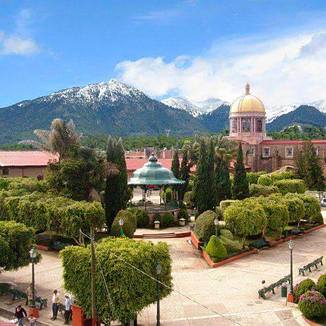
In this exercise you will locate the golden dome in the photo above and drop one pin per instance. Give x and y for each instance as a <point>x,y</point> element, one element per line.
<point>247,103</point>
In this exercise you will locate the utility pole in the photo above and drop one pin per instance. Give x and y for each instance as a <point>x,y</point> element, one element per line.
<point>93,275</point>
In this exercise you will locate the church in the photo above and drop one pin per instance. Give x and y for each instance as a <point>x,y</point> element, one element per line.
<point>262,153</point>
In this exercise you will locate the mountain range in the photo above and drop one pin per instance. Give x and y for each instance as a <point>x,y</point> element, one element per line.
<point>116,108</point>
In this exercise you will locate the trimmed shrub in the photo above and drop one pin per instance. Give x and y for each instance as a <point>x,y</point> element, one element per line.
<point>167,220</point>
<point>226,203</point>
<point>311,209</point>
<point>189,199</point>
<point>290,185</point>
<point>265,180</point>
<point>295,207</point>
<point>252,177</point>
<point>302,287</point>
<point>215,249</point>
<point>204,226</point>
<point>321,284</point>
<point>183,213</point>
<point>226,234</point>
<point>219,213</point>
<point>260,190</point>
<point>130,224</point>
<point>168,194</point>
<point>282,175</point>
<point>4,183</point>
<point>115,256</point>
<point>312,304</point>
<point>245,218</point>
<point>232,246</point>
<point>141,216</point>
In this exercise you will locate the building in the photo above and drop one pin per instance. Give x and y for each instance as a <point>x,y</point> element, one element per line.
<point>262,153</point>
<point>24,163</point>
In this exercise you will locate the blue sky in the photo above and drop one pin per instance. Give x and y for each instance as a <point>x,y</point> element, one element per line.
<point>195,49</point>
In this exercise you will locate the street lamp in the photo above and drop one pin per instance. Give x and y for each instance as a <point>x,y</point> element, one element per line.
<point>291,246</point>
<point>216,224</point>
<point>121,223</point>
<point>158,272</point>
<point>33,255</point>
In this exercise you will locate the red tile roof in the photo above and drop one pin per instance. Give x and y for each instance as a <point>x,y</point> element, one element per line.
<point>291,142</point>
<point>25,158</point>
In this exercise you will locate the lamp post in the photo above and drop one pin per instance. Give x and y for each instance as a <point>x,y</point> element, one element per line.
<point>33,255</point>
<point>216,224</point>
<point>121,223</point>
<point>158,272</point>
<point>291,246</point>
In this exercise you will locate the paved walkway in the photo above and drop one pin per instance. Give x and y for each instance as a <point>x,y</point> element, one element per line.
<point>203,296</point>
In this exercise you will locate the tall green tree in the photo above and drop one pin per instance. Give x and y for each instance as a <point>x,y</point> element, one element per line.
<point>184,174</point>
<point>241,185</point>
<point>176,164</point>
<point>204,182</point>
<point>223,182</point>
<point>309,167</point>
<point>211,186</point>
<point>116,191</point>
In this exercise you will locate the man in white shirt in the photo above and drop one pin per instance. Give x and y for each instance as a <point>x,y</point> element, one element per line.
<point>55,304</point>
<point>67,309</point>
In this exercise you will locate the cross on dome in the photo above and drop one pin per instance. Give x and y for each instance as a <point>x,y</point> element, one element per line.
<point>247,89</point>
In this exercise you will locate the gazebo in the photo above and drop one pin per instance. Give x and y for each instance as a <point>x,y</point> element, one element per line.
<point>153,175</point>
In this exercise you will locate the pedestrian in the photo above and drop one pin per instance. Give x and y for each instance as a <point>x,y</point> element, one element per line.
<point>20,314</point>
<point>55,304</point>
<point>29,292</point>
<point>67,308</point>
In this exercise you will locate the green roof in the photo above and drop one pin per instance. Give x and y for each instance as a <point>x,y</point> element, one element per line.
<point>153,173</point>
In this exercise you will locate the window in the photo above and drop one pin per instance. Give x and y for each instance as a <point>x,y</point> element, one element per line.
<point>5,171</point>
<point>234,125</point>
<point>259,125</point>
<point>266,152</point>
<point>251,151</point>
<point>245,124</point>
<point>289,152</point>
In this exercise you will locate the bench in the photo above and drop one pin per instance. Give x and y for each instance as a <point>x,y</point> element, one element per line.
<point>17,294</point>
<point>271,288</point>
<point>308,267</point>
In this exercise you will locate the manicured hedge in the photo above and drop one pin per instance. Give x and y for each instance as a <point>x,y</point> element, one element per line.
<point>15,242</point>
<point>215,249</point>
<point>290,185</point>
<point>167,220</point>
<point>265,180</point>
<point>245,218</point>
<point>260,190</point>
<point>312,304</point>
<point>252,177</point>
<point>130,224</point>
<point>27,185</point>
<point>321,284</point>
<point>183,213</point>
<point>141,216</point>
<point>118,258</point>
<point>204,226</point>
<point>302,287</point>
<point>226,203</point>
<point>282,175</point>
<point>311,209</point>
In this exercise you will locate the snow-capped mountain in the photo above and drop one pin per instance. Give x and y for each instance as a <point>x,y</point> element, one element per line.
<point>194,108</point>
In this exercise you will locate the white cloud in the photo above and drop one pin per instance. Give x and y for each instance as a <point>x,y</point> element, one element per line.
<point>19,42</point>
<point>284,70</point>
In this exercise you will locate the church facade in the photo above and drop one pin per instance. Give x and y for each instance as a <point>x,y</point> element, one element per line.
<point>262,153</point>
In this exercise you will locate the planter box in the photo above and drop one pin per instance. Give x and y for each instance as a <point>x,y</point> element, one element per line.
<point>195,241</point>
<point>211,263</point>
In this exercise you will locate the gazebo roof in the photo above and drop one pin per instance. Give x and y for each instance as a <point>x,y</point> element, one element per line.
<point>153,173</point>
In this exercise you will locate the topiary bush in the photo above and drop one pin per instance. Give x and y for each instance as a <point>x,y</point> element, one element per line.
<point>215,249</point>
<point>130,224</point>
<point>302,287</point>
<point>189,199</point>
<point>265,180</point>
<point>167,220</point>
<point>226,203</point>
<point>294,205</point>
<point>141,216</point>
<point>256,190</point>
<point>252,177</point>
<point>312,304</point>
<point>183,213</point>
<point>226,234</point>
<point>232,246</point>
<point>290,185</point>
<point>282,175</point>
<point>204,226</point>
<point>311,209</point>
<point>245,218</point>
<point>321,284</point>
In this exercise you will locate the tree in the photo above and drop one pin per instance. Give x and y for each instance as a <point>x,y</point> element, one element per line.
<point>121,264</point>
<point>176,164</point>
<point>309,167</point>
<point>59,139</point>
<point>210,185</point>
<point>203,187</point>
<point>16,240</point>
<point>223,182</point>
<point>184,173</point>
<point>116,191</point>
<point>240,186</point>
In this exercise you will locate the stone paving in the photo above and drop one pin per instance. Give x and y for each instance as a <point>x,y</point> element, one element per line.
<point>223,296</point>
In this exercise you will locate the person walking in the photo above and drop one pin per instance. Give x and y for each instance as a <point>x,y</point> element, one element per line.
<point>29,293</point>
<point>67,308</point>
<point>55,304</point>
<point>20,314</point>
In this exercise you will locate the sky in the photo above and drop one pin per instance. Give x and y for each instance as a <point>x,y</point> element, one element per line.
<point>196,49</point>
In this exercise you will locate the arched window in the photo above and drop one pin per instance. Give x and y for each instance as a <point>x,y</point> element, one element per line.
<point>234,125</point>
<point>245,124</point>
<point>259,125</point>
